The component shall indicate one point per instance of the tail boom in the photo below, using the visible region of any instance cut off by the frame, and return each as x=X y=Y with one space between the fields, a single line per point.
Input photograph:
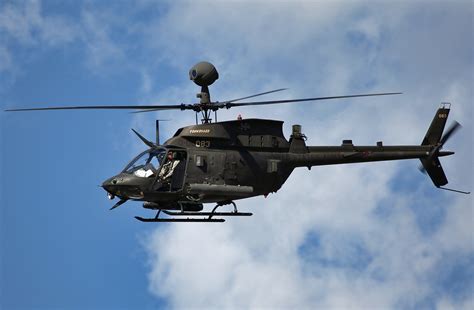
x=428 y=152
x=332 y=155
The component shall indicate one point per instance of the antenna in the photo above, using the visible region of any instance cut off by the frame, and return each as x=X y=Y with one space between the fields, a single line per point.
x=157 y=132
x=158 y=129
x=454 y=190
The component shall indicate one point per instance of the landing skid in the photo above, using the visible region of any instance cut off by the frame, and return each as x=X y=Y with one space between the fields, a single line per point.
x=207 y=219
x=197 y=220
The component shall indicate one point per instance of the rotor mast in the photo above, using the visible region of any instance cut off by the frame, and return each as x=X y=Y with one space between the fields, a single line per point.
x=206 y=105
x=204 y=74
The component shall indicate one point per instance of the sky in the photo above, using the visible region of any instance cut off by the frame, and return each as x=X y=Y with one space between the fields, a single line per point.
x=359 y=236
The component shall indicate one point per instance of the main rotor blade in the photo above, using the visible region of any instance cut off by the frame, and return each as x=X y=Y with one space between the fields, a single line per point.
x=260 y=94
x=106 y=107
x=230 y=105
x=147 y=142
x=452 y=129
x=196 y=107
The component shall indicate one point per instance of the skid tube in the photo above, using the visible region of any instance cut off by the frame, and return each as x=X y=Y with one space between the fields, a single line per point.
x=189 y=220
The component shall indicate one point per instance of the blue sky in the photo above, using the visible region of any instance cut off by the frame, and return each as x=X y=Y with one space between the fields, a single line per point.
x=362 y=236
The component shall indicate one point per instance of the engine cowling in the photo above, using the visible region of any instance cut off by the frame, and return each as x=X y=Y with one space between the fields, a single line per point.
x=203 y=73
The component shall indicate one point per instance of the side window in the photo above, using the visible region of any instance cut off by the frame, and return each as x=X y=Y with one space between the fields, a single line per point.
x=200 y=160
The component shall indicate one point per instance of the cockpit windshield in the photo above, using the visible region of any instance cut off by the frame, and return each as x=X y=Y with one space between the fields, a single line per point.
x=147 y=163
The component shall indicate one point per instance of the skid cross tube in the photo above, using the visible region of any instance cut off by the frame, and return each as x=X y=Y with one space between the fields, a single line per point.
x=157 y=214
x=223 y=203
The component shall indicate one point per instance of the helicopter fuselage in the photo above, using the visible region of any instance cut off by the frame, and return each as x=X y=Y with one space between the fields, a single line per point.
x=231 y=160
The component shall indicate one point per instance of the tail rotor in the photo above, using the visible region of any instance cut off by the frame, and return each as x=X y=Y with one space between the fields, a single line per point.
x=436 y=139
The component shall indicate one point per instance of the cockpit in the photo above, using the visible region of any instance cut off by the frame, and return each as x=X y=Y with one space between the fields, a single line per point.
x=164 y=168
x=146 y=164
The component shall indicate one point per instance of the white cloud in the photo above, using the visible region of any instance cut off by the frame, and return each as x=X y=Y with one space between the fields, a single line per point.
x=102 y=51
x=6 y=64
x=25 y=28
x=27 y=25
x=370 y=250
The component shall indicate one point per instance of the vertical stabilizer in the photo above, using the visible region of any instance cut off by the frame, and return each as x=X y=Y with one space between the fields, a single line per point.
x=434 y=133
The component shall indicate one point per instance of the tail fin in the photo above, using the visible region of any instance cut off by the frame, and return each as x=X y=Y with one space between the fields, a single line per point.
x=434 y=133
x=433 y=167
x=431 y=164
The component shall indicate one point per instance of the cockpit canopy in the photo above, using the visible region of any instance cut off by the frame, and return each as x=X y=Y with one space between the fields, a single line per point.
x=146 y=164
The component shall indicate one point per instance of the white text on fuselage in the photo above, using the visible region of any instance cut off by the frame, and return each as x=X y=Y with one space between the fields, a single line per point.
x=199 y=131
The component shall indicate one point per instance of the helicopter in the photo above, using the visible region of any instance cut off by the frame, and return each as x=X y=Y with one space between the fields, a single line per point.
x=221 y=162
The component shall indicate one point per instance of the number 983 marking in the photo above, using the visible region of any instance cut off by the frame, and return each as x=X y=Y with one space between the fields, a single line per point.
x=203 y=143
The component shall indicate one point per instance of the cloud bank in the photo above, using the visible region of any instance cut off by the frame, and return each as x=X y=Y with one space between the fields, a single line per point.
x=358 y=236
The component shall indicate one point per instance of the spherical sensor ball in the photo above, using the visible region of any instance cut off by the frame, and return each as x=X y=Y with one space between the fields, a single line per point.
x=203 y=74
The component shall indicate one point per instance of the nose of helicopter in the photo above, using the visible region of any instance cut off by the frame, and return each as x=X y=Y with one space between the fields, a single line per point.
x=124 y=186
x=110 y=187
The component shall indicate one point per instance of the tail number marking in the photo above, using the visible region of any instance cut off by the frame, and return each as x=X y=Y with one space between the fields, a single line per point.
x=203 y=143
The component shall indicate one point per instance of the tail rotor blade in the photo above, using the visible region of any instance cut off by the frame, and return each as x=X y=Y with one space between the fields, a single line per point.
x=422 y=169
x=452 y=129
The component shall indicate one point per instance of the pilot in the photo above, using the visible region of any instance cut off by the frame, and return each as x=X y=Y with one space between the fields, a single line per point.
x=168 y=168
